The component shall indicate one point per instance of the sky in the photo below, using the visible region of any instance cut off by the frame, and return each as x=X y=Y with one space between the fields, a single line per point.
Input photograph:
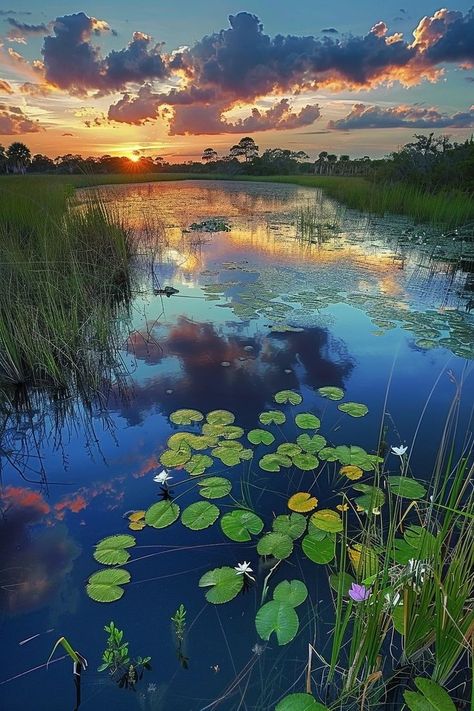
x=172 y=77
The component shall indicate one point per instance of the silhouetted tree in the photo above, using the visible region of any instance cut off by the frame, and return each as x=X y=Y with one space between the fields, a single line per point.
x=208 y=155
x=18 y=157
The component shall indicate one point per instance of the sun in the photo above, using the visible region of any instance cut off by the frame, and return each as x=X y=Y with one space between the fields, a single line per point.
x=134 y=158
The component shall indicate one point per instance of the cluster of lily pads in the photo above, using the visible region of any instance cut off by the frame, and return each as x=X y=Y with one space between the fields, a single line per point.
x=210 y=225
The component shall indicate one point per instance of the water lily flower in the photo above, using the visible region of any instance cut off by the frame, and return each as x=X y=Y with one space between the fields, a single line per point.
x=163 y=477
x=399 y=451
x=359 y=593
x=244 y=569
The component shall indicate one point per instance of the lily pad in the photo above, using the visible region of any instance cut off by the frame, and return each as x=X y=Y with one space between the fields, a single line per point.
x=341 y=581
x=309 y=444
x=300 y=702
x=162 y=514
x=305 y=461
x=327 y=520
x=260 y=437
x=354 y=409
x=273 y=462
x=279 y=618
x=351 y=472
x=186 y=417
x=239 y=524
x=220 y=417
x=331 y=392
x=176 y=457
x=214 y=487
x=293 y=525
x=198 y=464
x=200 y=515
x=279 y=545
x=272 y=417
x=288 y=449
x=406 y=488
x=105 y=585
x=224 y=584
x=294 y=592
x=112 y=550
x=307 y=421
x=288 y=396
x=417 y=544
x=231 y=456
x=319 y=551
x=373 y=497
x=302 y=502
x=429 y=697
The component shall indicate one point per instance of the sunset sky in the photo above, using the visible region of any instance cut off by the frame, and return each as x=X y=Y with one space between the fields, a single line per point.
x=171 y=77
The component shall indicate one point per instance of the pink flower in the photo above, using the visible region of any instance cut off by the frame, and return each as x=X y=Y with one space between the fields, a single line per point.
x=359 y=593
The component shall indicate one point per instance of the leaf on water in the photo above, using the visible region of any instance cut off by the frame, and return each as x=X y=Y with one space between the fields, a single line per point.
x=417 y=544
x=293 y=592
x=288 y=449
x=319 y=551
x=307 y=421
x=200 y=515
x=136 y=525
x=429 y=697
x=288 y=396
x=220 y=417
x=327 y=520
x=272 y=417
x=328 y=454
x=279 y=618
x=293 y=525
x=354 y=409
x=372 y=500
x=224 y=584
x=331 y=392
x=224 y=431
x=260 y=437
x=279 y=545
x=136 y=516
x=341 y=582
x=406 y=488
x=112 y=550
x=309 y=444
x=305 y=461
x=231 y=456
x=198 y=464
x=300 y=702
x=214 y=487
x=105 y=585
x=302 y=502
x=162 y=514
x=176 y=457
x=186 y=417
x=356 y=456
x=273 y=462
x=364 y=560
x=351 y=471
x=238 y=525
x=190 y=439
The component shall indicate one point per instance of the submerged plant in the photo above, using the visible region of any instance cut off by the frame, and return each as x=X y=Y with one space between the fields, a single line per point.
x=125 y=670
x=79 y=663
x=179 y=627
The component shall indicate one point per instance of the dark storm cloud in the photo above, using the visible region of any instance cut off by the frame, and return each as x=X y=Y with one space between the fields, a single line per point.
x=26 y=28
x=362 y=116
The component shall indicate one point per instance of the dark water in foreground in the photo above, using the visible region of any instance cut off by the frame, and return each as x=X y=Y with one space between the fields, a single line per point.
x=258 y=311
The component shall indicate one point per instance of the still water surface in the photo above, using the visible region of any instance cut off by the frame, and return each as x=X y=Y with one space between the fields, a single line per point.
x=258 y=310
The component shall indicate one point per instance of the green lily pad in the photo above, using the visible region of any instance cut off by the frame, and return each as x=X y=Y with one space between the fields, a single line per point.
x=279 y=618
x=260 y=437
x=224 y=431
x=373 y=497
x=198 y=464
x=429 y=697
x=319 y=551
x=176 y=457
x=105 y=585
x=305 y=461
x=405 y=487
x=273 y=462
x=294 y=592
x=328 y=454
x=112 y=550
x=231 y=456
x=186 y=417
x=272 y=417
x=300 y=702
x=307 y=421
x=327 y=520
x=214 y=487
x=309 y=444
x=189 y=439
x=224 y=584
x=239 y=524
x=292 y=525
x=220 y=417
x=341 y=581
x=417 y=544
x=288 y=449
x=199 y=515
x=162 y=514
x=354 y=409
x=279 y=545
x=331 y=392
x=288 y=396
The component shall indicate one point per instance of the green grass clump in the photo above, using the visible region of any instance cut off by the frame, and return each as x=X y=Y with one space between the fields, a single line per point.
x=64 y=270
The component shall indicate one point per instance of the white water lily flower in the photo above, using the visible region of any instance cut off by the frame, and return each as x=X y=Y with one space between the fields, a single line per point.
x=244 y=569
x=163 y=477
x=399 y=451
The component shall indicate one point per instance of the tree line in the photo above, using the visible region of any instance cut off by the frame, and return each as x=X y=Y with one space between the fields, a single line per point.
x=434 y=162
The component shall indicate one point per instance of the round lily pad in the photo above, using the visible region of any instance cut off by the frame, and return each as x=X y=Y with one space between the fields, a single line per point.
x=198 y=464
x=293 y=525
x=327 y=520
x=351 y=472
x=303 y=502
x=176 y=457
x=273 y=462
x=354 y=409
x=162 y=514
x=305 y=461
x=105 y=585
x=200 y=515
x=220 y=417
x=112 y=550
x=331 y=392
x=278 y=545
x=309 y=444
x=186 y=417
x=214 y=487
x=294 y=592
x=288 y=396
x=224 y=584
x=238 y=525
x=288 y=449
x=406 y=487
x=260 y=437
x=279 y=618
x=272 y=417
x=300 y=702
x=318 y=550
x=307 y=421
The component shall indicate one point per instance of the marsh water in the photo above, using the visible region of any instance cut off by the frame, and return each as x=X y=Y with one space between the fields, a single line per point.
x=364 y=303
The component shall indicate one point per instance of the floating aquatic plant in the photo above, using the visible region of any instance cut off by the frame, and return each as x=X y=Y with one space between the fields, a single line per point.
x=279 y=616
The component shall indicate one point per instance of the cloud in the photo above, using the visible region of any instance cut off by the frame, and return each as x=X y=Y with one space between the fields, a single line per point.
x=34 y=89
x=3 y=13
x=13 y=122
x=5 y=87
x=330 y=31
x=362 y=116
x=20 y=30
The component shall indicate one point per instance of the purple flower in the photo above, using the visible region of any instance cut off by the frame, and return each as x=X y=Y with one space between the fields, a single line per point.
x=359 y=593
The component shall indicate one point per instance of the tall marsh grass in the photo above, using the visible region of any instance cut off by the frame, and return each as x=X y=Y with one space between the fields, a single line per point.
x=64 y=270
